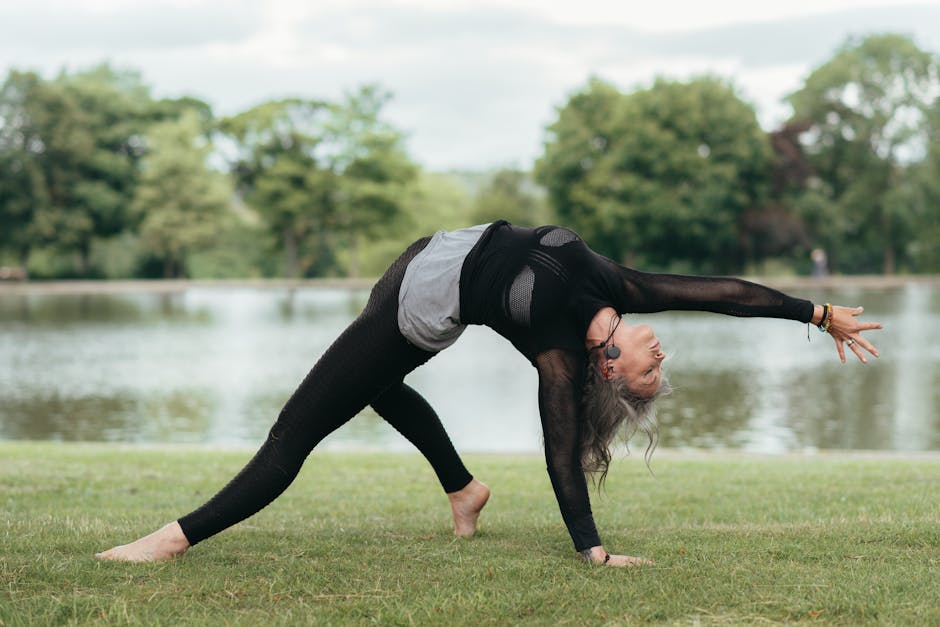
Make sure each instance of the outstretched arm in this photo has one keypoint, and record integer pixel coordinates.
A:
(559, 387)
(644, 292)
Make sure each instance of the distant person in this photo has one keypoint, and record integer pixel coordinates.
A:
(560, 304)
(820, 262)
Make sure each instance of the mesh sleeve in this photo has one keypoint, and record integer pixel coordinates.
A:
(559, 374)
(645, 292)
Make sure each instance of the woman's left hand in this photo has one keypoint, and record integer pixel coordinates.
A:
(597, 555)
(846, 330)
(628, 560)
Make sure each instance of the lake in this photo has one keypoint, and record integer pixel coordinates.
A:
(212, 365)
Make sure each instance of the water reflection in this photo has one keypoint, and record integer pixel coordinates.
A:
(215, 366)
(96, 309)
(835, 407)
(178, 417)
(722, 409)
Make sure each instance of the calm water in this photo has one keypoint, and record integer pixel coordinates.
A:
(214, 366)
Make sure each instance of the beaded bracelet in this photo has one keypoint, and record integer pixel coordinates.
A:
(826, 320)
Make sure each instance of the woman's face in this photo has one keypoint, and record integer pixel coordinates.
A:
(640, 360)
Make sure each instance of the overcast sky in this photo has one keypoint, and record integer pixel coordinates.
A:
(475, 82)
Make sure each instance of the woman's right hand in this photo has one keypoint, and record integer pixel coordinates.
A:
(597, 555)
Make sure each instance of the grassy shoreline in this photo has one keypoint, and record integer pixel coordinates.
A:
(364, 538)
(118, 286)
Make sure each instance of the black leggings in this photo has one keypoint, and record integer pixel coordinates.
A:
(365, 365)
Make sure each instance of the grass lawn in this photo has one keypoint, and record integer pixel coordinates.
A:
(365, 538)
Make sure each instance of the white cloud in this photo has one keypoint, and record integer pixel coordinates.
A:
(659, 16)
(762, 87)
(475, 81)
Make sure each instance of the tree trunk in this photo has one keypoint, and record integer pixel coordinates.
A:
(290, 254)
(354, 255)
(84, 252)
(888, 261)
(889, 264)
(24, 261)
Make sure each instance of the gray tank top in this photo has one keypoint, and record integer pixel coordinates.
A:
(429, 297)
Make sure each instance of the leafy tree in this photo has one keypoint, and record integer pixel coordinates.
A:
(71, 148)
(182, 202)
(366, 154)
(113, 112)
(777, 228)
(320, 174)
(44, 142)
(433, 202)
(659, 177)
(577, 142)
(867, 107)
(437, 201)
(23, 193)
(509, 195)
(274, 154)
(921, 194)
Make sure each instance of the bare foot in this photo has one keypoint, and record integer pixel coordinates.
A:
(163, 544)
(466, 505)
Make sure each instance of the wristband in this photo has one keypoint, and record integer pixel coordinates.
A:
(826, 320)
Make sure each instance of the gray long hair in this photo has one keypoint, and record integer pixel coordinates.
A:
(607, 405)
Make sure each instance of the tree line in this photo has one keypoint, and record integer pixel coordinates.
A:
(98, 178)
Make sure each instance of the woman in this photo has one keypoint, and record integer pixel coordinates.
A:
(560, 305)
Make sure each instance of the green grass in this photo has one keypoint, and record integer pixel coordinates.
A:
(365, 538)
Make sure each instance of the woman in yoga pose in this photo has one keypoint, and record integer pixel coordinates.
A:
(560, 304)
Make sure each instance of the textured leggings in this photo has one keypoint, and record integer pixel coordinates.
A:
(366, 365)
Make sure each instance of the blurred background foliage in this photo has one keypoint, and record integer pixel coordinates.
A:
(99, 179)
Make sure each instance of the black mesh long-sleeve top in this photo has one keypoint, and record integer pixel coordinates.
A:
(541, 287)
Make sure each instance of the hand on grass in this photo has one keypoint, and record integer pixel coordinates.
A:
(597, 555)
(627, 560)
